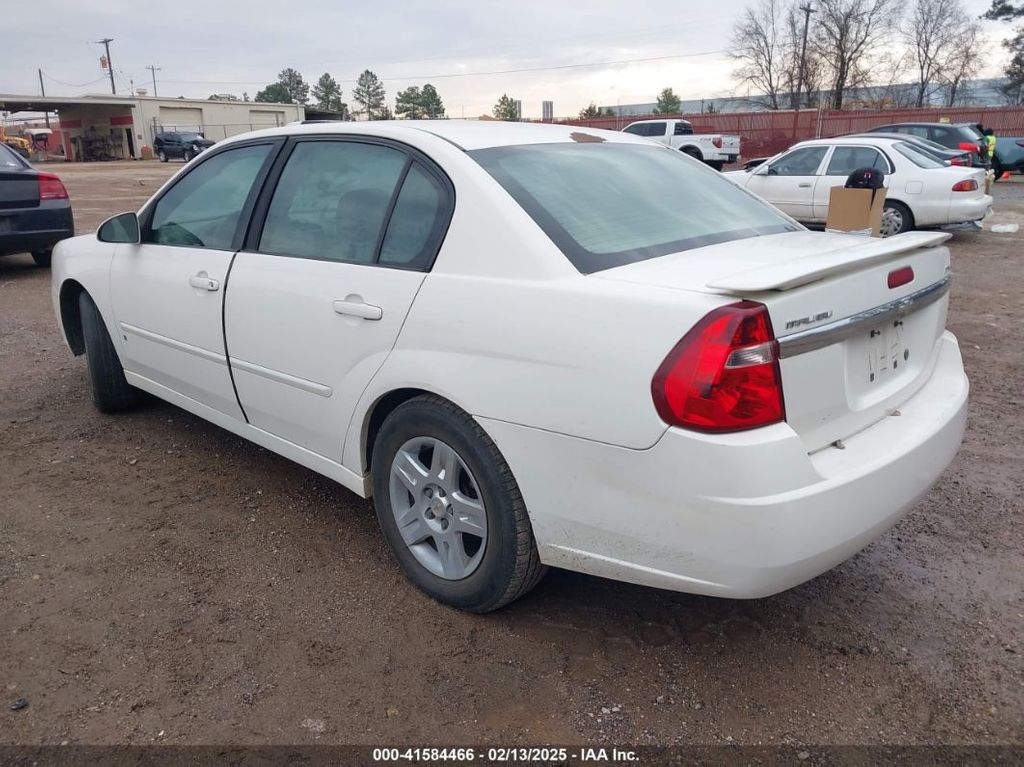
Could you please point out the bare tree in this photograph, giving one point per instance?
(847, 34)
(932, 36)
(964, 62)
(760, 49)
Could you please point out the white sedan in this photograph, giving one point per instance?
(534, 345)
(921, 192)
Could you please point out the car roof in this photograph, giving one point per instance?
(465, 134)
(859, 140)
(925, 124)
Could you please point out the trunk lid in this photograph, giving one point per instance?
(852, 347)
(18, 189)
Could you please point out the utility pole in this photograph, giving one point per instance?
(808, 10)
(42, 90)
(105, 42)
(153, 70)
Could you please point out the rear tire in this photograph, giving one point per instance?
(187, 155)
(896, 218)
(111, 392)
(42, 258)
(162, 155)
(493, 569)
(695, 154)
(716, 164)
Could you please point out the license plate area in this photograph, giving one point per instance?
(887, 349)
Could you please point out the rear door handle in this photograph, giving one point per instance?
(202, 282)
(805, 185)
(358, 309)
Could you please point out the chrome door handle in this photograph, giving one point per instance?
(358, 309)
(805, 185)
(202, 282)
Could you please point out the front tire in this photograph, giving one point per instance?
(111, 392)
(896, 219)
(187, 155)
(450, 509)
(162, 155)
(42, 258)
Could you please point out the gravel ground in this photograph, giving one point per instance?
(164, 581)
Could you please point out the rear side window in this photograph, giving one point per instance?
(846, 159)
(683, 129)
(204, 208)
(332, 200)
(417, 223)
(609, 204)
(647, 129)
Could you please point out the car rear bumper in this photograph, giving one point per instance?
(972, 209)
(34, 229)
(742, 515)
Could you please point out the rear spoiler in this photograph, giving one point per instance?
(849, 257)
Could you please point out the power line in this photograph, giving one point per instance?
(74, 85)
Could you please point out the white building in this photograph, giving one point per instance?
(122, 127)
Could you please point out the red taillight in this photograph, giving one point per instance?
(724, 374)
(901, 276)
(51, 188)
(962, 161)
(967, 185)
(717, 141)
(967, 146)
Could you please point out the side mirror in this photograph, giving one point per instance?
(120, 229)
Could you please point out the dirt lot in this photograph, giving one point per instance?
(163, 581)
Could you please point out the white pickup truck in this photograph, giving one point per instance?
(715, 149)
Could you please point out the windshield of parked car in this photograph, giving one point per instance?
(919, 159)
(609, 204)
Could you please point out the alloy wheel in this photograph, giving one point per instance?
(438, 508)
(892, 222)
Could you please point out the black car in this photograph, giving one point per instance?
(35, 212)
(963, 136)
(183, 144)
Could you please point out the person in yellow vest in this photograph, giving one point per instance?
(990, 144)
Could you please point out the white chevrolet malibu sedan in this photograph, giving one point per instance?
(534, 345)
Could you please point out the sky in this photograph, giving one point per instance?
(607, 52)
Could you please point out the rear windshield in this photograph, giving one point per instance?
(8, 159)
(609, 204)
(920, 159)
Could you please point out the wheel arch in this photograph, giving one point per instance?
(71, 315)
(693, 150)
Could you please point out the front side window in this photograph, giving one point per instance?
(799, 162)
(646, 129)
(332, 200)
(609, 204)
(846, 159)
(204, 209)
